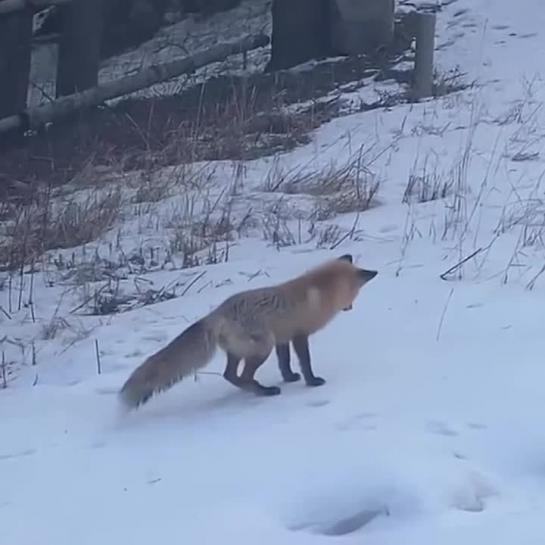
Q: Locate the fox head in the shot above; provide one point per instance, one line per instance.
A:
(353, 279)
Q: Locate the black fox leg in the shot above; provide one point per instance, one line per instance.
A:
(248, 382)
(283, 355)
(300, 344)
(230, 373)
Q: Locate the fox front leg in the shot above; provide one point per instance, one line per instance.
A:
(283, 355)
(300, 344)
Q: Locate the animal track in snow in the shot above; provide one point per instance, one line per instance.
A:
(20, 454)
(347, 506)
(360, 421)
(157, 336)
(471, 495)
(135, 354)
(440, 428)
(319, 403)
(476, 426)
(343, 525)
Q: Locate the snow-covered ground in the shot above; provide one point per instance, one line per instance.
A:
(429, 428)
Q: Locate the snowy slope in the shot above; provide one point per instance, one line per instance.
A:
(429, 428)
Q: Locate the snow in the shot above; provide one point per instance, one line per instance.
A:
(429, 427)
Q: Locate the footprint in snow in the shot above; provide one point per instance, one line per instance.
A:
(319, 403)
(440, 428)
(364, 415)
(476, 426)
(459, 456)
(343, 525)
(20, 454)
(472, 494)
(155, 337)
(360, 421)
(107, 390)
(134, 354)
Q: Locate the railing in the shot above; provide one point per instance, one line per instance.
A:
(78, 52)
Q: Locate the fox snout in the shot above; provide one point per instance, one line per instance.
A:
(367, 275)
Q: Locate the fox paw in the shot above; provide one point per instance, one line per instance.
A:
(292, 377)
(315, 381)
(269, 391)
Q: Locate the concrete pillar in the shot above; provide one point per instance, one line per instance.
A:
(360, 26)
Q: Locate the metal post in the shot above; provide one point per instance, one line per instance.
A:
(423, 62)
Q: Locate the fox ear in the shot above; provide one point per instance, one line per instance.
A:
(346, 257)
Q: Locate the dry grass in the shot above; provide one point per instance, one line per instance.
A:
(452, 81)
(46, 224)
(426, 188)
(338, 190)
(151, 190)
(201, 235)
(51, 329)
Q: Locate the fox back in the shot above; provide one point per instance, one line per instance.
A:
(300, 306)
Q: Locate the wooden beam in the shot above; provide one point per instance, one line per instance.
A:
(56, 109)
(15, 51)
(79, 46)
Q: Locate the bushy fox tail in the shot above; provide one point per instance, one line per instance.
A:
(189, 351)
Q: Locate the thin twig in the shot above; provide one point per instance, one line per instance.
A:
(10, 285)
(31, 295)
(89, 298)
(188, 287)
(443, 314)
(21, 286)
(444, 275)
(532, 283)
(97, 354)
(4, 377)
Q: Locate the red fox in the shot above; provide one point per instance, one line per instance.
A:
(248, 325)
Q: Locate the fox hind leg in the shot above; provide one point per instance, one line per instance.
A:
(248, 382)
(300, 344)
(283, 355)
(230, 373)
